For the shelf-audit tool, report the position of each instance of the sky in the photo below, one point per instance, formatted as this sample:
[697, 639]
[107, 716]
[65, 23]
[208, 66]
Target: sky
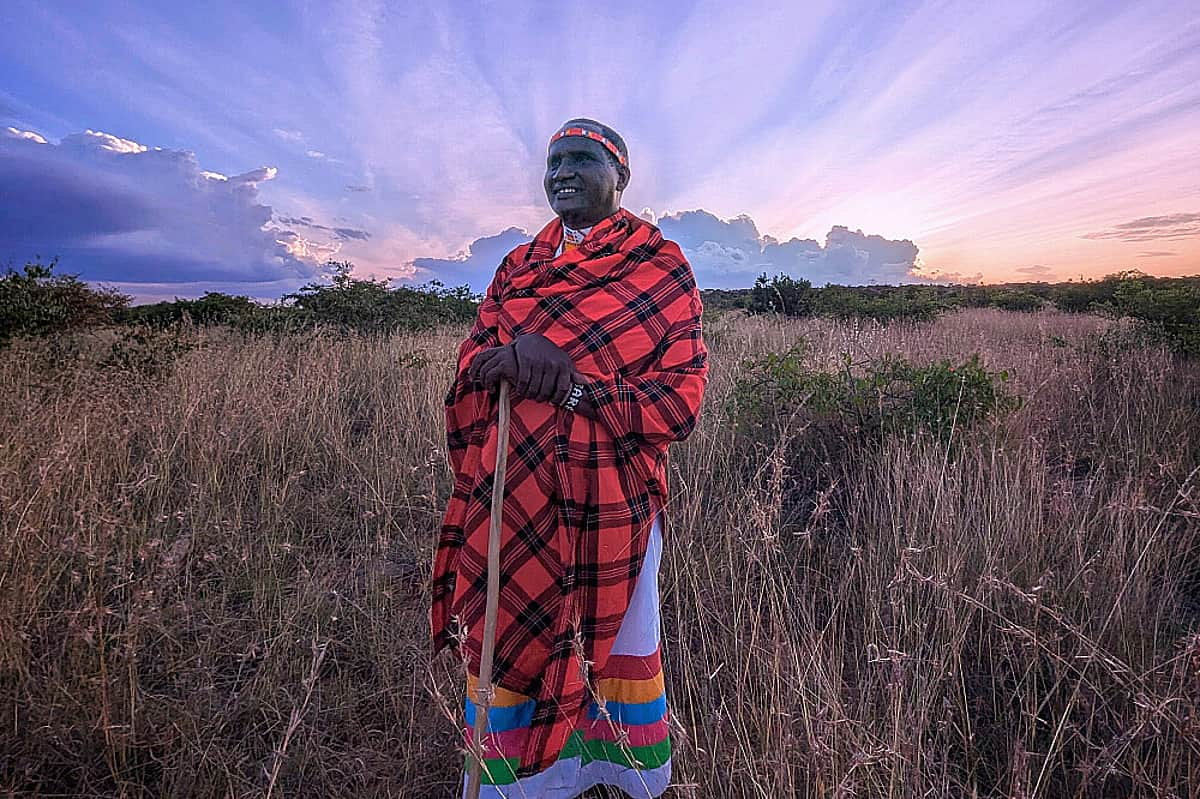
[168, 149]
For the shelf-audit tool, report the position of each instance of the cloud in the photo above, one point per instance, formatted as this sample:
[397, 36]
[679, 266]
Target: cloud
[314, 153]
[291, 136]
[475, 267]
[1037, 271]
[731, 253]
[724, 253]
[1157, 254]
[348, 233]
[113, 209]
[341, 233]
[97, 140]
[255, 176]
[993, 135]
[1171, 227]
[26, 135]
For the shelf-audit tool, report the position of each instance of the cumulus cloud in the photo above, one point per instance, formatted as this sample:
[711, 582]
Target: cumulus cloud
[476, 266]
[731, 253]
[314, 153]
[98, 140]
[725, 253]
[1153, 228]
[114, 209]
[26, 135]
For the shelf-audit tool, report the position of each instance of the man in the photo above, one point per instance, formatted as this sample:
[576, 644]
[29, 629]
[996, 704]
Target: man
[595, 324]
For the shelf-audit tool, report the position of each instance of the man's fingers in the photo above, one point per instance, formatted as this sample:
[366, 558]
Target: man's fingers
[562, 387]
[497, 369]
[549, 380]
[524, 376]
[479, 362]
[487, 375]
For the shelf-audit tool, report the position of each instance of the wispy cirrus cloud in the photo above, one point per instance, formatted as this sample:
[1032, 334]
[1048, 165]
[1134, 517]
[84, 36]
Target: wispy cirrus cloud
[289, 136]
[1037, 272]
[342, 233]
[1171, 227]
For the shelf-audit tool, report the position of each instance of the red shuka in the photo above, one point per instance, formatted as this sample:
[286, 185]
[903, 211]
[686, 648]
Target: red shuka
[580, 494]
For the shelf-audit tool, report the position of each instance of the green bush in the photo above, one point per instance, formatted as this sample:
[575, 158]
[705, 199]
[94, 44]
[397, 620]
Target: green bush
[883, 303]
[797, 298]
[1016, 300]
[1169, 313]
[214, 308]
[345, 303]
[37, 302]
[781, 294]
[373, 306]
[1080, 297]
[146, 352]
[861, 401]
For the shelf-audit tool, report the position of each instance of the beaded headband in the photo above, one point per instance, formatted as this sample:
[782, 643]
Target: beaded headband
[594, 136]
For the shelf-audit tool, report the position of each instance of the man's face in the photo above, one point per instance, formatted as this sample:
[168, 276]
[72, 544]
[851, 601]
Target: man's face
[582, 181]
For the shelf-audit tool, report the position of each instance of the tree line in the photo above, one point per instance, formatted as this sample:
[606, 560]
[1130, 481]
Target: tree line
[1168, 308]
[40, 300]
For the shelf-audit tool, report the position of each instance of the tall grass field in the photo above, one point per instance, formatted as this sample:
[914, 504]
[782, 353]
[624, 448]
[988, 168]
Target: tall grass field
[892, 569]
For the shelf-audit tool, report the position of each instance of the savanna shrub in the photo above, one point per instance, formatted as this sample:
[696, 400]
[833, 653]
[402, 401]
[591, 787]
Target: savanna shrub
[214, 308]
[1169, 313]
[375, 307]
[146, 352]
[867, 400]
[781, 294]
[346, 304]
[796, 297]
[37, 302]
[1016, 300]
[882, 303]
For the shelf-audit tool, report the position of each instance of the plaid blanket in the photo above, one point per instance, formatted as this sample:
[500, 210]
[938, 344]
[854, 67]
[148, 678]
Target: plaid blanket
[580, 494]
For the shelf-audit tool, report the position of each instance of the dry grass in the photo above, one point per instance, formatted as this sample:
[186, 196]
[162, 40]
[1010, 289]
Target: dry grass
[214, 581]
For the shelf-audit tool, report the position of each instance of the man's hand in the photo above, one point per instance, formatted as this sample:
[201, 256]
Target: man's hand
[544, 371]
[491, 366]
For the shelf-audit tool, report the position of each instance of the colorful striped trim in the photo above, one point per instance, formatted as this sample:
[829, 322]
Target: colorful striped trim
[594, 136]
[515, 717]
[627, 727]
[503, 770]
[511, 743]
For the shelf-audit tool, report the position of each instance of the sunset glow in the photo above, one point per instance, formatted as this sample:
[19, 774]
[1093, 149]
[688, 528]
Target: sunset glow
[1014, 141]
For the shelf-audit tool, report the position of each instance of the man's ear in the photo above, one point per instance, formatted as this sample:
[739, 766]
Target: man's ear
[622, 177]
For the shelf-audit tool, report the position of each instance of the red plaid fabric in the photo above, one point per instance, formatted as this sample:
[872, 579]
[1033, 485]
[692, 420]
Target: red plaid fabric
[580, 494]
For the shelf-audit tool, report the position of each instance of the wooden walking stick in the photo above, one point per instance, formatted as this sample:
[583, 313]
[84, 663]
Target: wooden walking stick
[483, 694]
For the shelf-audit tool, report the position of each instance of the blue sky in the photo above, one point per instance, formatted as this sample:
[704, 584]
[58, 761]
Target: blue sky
[173, 148]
